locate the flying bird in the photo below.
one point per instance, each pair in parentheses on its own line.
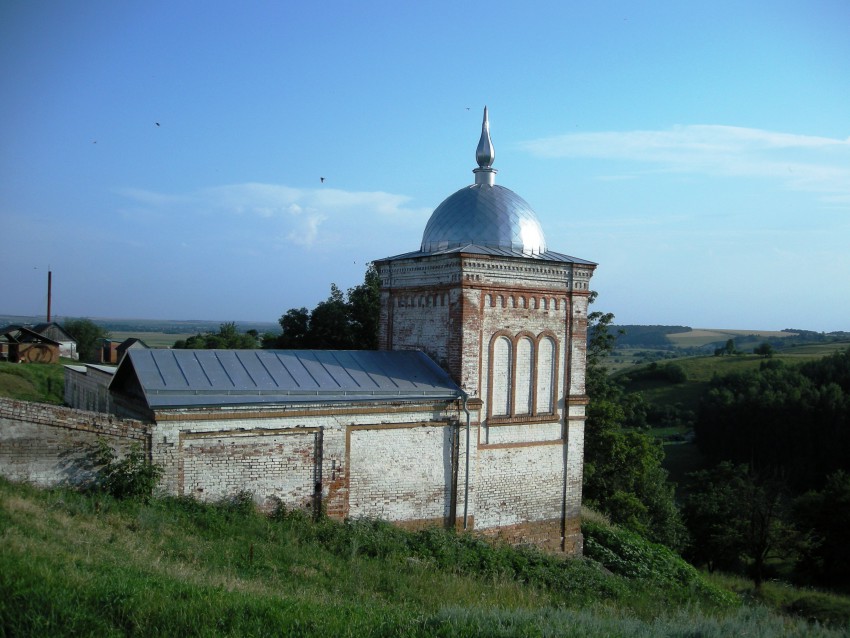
(323,179)
(157,123)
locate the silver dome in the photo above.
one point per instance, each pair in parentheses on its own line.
(484,214)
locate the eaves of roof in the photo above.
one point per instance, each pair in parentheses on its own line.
(475,249)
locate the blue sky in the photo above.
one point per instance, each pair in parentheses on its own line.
(163,159)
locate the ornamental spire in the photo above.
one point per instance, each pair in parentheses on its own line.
(485,155)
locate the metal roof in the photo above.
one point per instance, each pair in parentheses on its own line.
(177,378)
(487,215)
(475,249)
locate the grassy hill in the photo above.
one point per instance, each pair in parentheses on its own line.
(41,382)
(76,564)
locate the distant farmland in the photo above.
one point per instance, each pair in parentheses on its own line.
(701,336)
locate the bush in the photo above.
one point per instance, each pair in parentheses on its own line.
(132,476)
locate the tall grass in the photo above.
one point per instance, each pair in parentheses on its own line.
(88,565)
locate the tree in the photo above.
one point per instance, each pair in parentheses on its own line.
(764,350)
(737,517)
(88,336)
(623,476)
(342,322)
(228,337)
(791,419)
(295,324)
(824,518)
(329,322)
(364,309)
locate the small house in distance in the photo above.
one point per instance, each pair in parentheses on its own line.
(67,344)
(111,352)
(20,344)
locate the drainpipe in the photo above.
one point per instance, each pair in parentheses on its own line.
(466,472)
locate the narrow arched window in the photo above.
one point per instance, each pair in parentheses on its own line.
(524,375)
(501,368)
(545,375)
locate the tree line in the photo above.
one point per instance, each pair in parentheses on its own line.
(778,487)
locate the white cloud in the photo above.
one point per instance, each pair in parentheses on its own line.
(802,162)
(303,216)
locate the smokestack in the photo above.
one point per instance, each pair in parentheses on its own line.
(49,289)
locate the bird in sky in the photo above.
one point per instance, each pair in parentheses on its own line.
(323,179)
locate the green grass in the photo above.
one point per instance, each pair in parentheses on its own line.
(42,382)
(86,565)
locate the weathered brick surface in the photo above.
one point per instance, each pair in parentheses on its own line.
(300,455)
(275,465)
(514,338)
(46,444)
(402,473)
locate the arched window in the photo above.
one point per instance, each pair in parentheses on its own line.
(545,375)
(502,378)
(524,375)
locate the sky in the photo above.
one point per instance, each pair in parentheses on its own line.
(164,159)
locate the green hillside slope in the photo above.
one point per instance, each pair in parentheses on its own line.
(87,565)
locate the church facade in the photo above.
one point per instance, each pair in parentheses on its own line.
(487,300)
(470,415)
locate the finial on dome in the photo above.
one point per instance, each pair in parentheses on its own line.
(485,155)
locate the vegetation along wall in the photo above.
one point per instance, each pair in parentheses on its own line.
(49,445)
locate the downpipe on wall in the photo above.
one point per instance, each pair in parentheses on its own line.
(466,470)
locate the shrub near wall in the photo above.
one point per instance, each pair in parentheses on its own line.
(48,445)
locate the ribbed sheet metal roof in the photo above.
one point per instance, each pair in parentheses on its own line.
(177,378)
(475,249)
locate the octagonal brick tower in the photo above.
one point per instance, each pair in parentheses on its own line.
(507,318)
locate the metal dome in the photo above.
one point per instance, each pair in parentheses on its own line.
(484,214)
